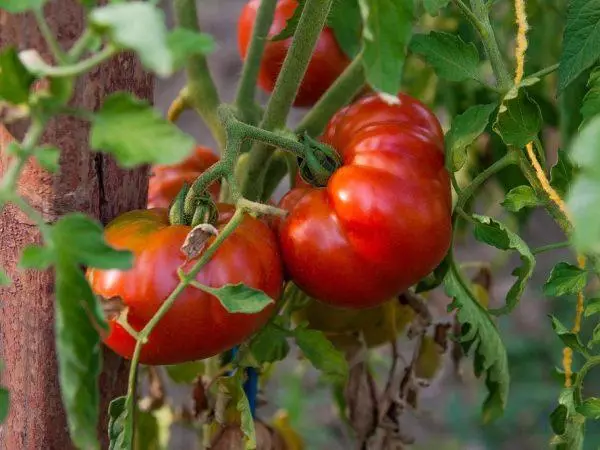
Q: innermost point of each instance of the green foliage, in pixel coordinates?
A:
(433, 6)
(232, 386)
(15, 79)
(581, 41)
(185, 373)
(4, 278)
(47, 157)
(565, 279)
(590, 408)
(451, 57)
(346, 22)
(322, 354)
(521, 197)
(568, 338)
(120, 430)
(572, 424)
(134, 133)
(146, 436)
(184, 43)
(562, 173)
(19, 6)
(519, 118)
(270, 343)
(591, 102)
(592, 307)
(240, 298)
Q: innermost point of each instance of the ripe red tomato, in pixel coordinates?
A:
(166, 181)
(383, 220)
(326, 64)
(196, 326)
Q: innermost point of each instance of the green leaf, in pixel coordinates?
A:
(270, 343)
(120, 430)
(346, 22)
(48, 157)
(591, 102)
(19, 6)
(322, 354)
(233, 387)
(590, 408)
(562, 173)
(4, 278)
(4, 404)
(572, 436)
(451, 57)
(433, 6)
(146, 435)
(184, 43)
(387, 26)
(239, 298)
(15, 80)
(434, 279)
(521, 197)
(519, 119)
(592, 307)
(480, 334)
(81, 239)
(497, 235)
(565, 279)
(36, 257)
(595, 339)
(568, 338)
(558, 419)
(581, 40)
(466, 127)
(185, 373)
(137, 26)
(584, 148)
(134, 133)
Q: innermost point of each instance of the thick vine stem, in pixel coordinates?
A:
(246, 92)
(294, 67)
(202, 90)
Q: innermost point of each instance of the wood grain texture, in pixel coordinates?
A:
(87, 182)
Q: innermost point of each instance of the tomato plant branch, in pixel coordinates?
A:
(81, 45)
(549, 247)
(202, 90)
(545, 71)
(53, 45)
(74, 69)
(294, 67)
(345, 87)
(246, 92)
(589, 364)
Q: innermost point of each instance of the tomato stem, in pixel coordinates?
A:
(294, 67)
(203, 95)
(55, 48)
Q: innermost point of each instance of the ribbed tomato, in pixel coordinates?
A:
(166, 181)
(384, 219)
(326, 64)
(197, 326)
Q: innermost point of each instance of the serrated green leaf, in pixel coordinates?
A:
(233, 387)
(435, 279)
(565, 279)
(120, 431)
(480, 334)
(239, 298)
(519, 119)
(562, 173)
(322, 354)
(15, 80)
(137, 26)
(345, 21)
(591, 102)
(590, 408)
(48, 157)
(558, 419)
(270, 343)
(4, 278)
(521, 197)
(19, 6)
(36, 257)
(387, 26)
(81, 239)
(494, 233)
(581, 40)
(185, 373)
(568, 338)
(451, 57)
(134, 133)
(433, 6)
(466, 127)
(184, 43)
(592, 307)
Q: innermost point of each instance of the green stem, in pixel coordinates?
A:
(55, 48)
(78, 68)
(589, 364)
(549, 247)
(246, 92)
(202, 90)
(542, 73)
(294, 67)
(81, 45)
(349, 83)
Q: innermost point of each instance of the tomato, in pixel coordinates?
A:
(384, 219)
(326, 64)
(166, 181)
(197, 326)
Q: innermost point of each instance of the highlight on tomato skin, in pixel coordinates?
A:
(326, 64)
(167, 180)
(197, 326)
(383, 221)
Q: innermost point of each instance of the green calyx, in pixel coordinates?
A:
(318, 163)
(205, 210)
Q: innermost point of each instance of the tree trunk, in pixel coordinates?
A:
(88, 182)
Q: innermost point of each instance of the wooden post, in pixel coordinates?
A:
(87, 182)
